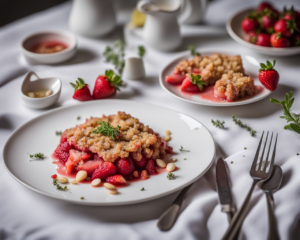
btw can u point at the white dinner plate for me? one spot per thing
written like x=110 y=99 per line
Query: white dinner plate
x=38 y=135
x=251 y=66
x=234 y=29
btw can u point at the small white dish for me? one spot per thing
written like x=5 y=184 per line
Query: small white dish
x=251 y=66
x=134 y=69
x=29 y=42
x=235 y=31
x=31 y=84
x=35 y=175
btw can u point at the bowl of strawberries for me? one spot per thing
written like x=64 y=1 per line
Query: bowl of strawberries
x=267 y=30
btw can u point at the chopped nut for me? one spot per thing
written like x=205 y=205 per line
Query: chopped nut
x=144 y=175
x=174 y=159
x=62 y=179
x=171 y=167
x=81 y=175
x=113 y=192
x=167 y=138
x=31 y=94
x=168 y=132
x=161 y=163
x=74 y=182
x=96 y=182
x=48 y=93
x=109 y=186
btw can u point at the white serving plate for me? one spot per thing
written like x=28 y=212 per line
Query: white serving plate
x=251 y=66
x=38 y=135
x=235 y=31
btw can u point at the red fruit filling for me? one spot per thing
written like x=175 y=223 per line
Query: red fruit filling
x=54 y=176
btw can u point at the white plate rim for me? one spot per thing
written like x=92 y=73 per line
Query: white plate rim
x=267 y=50
x=205 y=102
x=112 y=203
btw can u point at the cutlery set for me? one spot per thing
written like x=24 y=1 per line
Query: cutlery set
x=262 y=170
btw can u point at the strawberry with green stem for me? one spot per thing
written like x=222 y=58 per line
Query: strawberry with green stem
x=82 y=92
x=106 y=85
x=268 y=76
x=193 y=83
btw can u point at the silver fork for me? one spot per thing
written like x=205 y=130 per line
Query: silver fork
x=257 y=174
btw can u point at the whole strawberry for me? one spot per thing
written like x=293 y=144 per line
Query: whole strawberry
x=263 y=39
x=285 y=27
x=296 y=40
x=268 y=19
x=106 y=85
x=278 y=41
x=250 y=23
x=263 y=6
x=251 y=37
x=291 y=15
x=268 y=76
x=82 y=92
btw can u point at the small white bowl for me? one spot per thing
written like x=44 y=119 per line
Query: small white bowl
x=49 y=58
x=32 y=85
x=134 y=69
x=235 y=31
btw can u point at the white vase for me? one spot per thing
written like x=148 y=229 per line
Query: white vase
x=92 y=18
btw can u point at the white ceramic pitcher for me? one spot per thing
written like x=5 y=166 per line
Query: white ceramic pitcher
x=92 y=18
x=192 y=11
x=161 y=29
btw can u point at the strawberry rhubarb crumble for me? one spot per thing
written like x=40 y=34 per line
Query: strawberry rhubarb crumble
x=112 y=148
x=224 y=72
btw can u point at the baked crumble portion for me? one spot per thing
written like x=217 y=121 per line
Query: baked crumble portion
x=134 y=139
x=234 y=86
x=211 y=67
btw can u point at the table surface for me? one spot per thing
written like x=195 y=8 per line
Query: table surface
x=87 y=64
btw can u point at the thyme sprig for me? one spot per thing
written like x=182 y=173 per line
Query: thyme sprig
x=193 y=51
x=143 y=189
x=58 y=133
x=288 y=116
x=170 y=176
x=37 y=156
x=239 y=122
x=218 y=123
x=182 y=150
x=142 y=51
x=107 y=129
x=115 y=55
x=59 y=187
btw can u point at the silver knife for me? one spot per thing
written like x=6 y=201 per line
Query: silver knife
x=223 y=188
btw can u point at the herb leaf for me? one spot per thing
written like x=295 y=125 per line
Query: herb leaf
x=58 y=133
x=218 y=124
x=170 y=176
x=59 y=187
x=107 y=129
x=37 y=156
x=141 y=51
x=288 y=116
x=239 y=122
x=196 y=80
x=116 y=54
x=182 y=150
x=114 y=80
x=143 y=189
x=192 y=48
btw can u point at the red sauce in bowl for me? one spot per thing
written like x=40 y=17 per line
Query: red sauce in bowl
x=49 y=47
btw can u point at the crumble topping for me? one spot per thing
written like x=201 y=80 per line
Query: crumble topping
x=134 y=138
x=235 y=85
x=211 y=67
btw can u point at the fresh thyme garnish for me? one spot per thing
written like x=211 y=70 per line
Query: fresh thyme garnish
x=141 y=51
x=82 y=198
x=245 y=148
x=58 y=133
x=115 y=55
x=59 y=187
x=298 y=154
x=197 y=80
x=106 y=129
x=78 y=118
x=185 y=159
x=182 y=150
x=243 y=155
x=170 y=176
x=196 y=128
x=143 y=189
x=288 y=116
x=192 y=48
x=37 y=156
x=231 y=162
x=218 y=124
x=239 y=122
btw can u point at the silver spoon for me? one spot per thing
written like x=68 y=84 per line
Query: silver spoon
x=270 y=186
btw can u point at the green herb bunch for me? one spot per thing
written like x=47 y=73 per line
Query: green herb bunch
x=197 y=80
x=107 y=129
x=239 y=122
x=288 y=115
x=115 y=55
x=218 y=124
x=192 y=48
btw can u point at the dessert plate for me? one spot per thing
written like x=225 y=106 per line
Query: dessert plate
x=251 y=66
x=38 y=135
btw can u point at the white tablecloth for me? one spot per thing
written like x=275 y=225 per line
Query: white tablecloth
x=28 y=215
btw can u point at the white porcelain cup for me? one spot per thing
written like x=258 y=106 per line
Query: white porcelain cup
x=33 y=83
x=92 y=18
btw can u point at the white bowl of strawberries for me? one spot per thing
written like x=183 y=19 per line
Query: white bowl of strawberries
x=266 y=30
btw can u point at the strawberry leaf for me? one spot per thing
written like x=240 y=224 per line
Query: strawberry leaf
x=79 y=84
x=114 y=80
